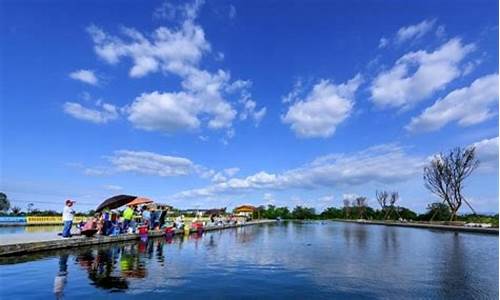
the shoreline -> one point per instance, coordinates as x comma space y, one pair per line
13, 248
423, 226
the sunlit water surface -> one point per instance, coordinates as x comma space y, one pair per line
310, 260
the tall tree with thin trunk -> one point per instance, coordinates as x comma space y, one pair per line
382, 200
445, 176
347, 208
393, 198
361, 205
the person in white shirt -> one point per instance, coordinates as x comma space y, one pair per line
68, 214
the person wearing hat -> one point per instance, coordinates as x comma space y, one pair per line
68, 214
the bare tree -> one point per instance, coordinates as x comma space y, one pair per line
445, 176
361, 205
382, 200
347, 208
394, 197
30, 207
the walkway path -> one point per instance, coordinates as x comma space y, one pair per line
13, 245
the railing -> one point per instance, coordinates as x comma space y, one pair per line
37, 220
51, 220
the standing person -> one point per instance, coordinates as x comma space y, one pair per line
128, 214
108, 226
68, 214
146, 216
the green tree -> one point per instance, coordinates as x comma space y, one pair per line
4, 202
303, 213
283, 212
407, 213
16, 210
438, 210
332, 213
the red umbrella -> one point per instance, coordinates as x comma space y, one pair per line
139, 201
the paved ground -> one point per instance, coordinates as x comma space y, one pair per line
19, 238
23, 243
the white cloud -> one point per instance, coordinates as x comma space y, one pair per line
167, 112
231, 171
178, 50
86, 76
150, 163
294, 94
323, 109
383, 42
380, 164
173, 12
169, 50
250, 111
400, 87
103, 113
487, 154
232, 12
224, 175
268, 198
112, 187
467, 106
414, 31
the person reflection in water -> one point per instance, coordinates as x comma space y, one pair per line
60, 279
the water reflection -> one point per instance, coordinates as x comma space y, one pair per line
287, 260
61, 277
100, 267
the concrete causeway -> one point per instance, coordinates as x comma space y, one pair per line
51, 241
424, 225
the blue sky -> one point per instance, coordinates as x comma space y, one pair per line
218, 103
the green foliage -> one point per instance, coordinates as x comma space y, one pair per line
303, 213
407, 214
439, 210
4, 202
472, 218
16, 210
332, 213
273, 212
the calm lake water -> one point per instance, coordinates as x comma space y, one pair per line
316, 260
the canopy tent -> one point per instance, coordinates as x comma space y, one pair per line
245, 209
139, 201
115, 202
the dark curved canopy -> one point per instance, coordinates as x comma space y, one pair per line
115, 202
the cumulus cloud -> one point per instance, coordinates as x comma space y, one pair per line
86, 76
155, 164
323, 109
169, 50
380, 164
173, 12
113, 187
102, 113
383, 42
178, 50
223, 175
417, 75
487, 154
250, 109
467, 106
413, 32
294, 94
150, 163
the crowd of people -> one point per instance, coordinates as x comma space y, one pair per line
113, 222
